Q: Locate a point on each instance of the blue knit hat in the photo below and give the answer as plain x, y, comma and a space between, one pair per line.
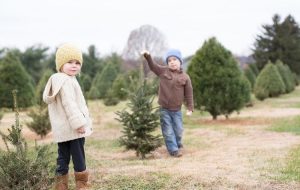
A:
173, 52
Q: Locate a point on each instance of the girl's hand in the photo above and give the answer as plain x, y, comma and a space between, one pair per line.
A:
189, 113
80, 130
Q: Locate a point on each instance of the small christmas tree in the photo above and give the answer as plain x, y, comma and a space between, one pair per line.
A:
40, 123
140, 122
269, 83
21, 168
286, 75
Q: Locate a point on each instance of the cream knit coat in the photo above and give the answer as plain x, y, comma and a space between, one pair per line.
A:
67, 108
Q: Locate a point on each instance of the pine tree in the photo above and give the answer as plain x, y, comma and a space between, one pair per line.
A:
49, 62
286, 76
246, 91
124, 83
279, 41
41, 86
103, 82
140, 122
250, 76
92, 62
118, 87
254, 69
268, 83
110, 99
33, 60
40, 123
21, 168
104, 79
85, 82
14, 76
217, 80
295, 78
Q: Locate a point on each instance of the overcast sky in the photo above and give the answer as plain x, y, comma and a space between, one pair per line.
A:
107, 24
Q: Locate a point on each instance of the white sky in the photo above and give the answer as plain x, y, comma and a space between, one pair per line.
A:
107, 24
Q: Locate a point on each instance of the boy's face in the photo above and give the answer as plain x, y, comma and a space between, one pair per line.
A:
173, 63
71, 68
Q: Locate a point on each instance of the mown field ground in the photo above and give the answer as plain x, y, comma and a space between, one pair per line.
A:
259, 148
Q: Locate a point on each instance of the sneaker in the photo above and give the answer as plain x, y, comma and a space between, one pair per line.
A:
176, 154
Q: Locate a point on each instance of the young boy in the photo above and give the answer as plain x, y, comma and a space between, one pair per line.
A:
175, 87
69, 116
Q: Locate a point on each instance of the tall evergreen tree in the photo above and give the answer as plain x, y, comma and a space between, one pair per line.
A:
217, 80
281, 40
140, 122
14, 76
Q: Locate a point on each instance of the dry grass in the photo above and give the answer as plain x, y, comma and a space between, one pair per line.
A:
238, 153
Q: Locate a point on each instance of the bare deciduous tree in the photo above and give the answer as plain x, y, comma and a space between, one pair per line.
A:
148, 38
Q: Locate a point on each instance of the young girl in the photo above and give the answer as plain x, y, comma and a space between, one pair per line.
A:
69, 116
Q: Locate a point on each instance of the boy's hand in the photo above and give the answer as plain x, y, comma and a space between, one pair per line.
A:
80, 130
145, 53
189, 113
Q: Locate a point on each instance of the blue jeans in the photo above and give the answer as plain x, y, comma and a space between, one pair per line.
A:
172, 128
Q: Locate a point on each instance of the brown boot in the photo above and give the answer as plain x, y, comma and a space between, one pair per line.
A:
61, 182
81, 179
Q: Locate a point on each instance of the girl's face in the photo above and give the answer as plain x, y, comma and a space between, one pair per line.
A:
71, 68
174, 63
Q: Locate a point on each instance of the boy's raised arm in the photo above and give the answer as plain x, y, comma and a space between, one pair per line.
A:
157, 69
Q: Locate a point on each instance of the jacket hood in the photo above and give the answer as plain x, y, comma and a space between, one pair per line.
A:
53, 86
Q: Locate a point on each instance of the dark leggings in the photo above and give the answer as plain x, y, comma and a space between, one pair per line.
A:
74, 148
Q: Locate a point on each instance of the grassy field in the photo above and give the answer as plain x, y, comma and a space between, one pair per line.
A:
259, 148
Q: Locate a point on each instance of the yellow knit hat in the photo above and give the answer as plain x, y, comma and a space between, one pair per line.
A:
66, 53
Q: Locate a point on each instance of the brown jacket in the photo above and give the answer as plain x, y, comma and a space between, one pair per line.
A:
175, 87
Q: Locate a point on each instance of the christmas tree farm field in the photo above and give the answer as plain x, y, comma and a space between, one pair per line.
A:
247, 151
